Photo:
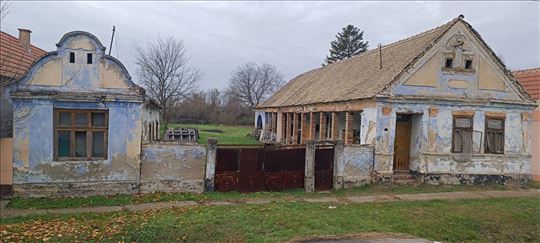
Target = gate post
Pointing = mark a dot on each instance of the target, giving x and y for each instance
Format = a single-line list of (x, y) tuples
[(338, 164), (309, 173), (210, 171)]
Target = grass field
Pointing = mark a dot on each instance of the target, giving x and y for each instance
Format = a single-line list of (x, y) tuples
[(48, 203), (224, 134), (489, 220)]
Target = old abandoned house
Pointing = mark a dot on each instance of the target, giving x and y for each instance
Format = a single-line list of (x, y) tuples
[(439, 104), (79, 122)]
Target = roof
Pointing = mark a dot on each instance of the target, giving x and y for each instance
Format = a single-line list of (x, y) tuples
[(530, 80), (14, 59), (360, 77)]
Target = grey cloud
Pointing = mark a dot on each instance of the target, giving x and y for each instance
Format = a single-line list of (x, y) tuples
[(294, 36)]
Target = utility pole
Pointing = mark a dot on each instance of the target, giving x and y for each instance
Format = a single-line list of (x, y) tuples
[(112, 38)]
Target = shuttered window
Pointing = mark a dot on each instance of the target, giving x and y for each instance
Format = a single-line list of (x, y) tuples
[(462, 135), (494, 135), (80, 134)]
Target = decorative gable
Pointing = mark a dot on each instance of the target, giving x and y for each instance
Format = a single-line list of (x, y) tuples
[(79, 64), (458, 66)]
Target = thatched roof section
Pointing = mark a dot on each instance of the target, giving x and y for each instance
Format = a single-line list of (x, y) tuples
[(359, 77)]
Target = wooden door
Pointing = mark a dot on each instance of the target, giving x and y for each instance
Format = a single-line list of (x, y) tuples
[(402, 144)]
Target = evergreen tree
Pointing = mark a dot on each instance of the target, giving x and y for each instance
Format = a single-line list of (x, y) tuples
[(349, 42)]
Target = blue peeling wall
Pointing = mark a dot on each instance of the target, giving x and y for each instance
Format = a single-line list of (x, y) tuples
[(33, 144), (431, 140)]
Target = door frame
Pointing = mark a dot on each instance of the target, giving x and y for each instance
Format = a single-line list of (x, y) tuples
[(408, 116)]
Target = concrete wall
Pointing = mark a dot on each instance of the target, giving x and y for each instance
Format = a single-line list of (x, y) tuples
[(169, 167), (357, 165)]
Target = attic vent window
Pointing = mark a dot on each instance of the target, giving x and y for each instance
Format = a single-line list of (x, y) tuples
[(89, 58), (72, 57), (448, 63), (468, 64)]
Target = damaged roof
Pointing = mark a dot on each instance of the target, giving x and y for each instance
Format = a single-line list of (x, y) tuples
[(361, 76), (530, 80)]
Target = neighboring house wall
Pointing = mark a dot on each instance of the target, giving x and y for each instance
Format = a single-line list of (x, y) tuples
[(535, 162), (55, 83)]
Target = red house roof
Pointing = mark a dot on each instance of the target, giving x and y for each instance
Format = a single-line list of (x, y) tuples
[(530, 80), (15, 60)]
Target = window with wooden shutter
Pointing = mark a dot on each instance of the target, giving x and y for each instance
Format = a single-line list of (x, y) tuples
[(80, 134), (462, 135), (494, 135)]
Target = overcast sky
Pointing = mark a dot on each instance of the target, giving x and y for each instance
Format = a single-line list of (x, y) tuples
[(294, 36)]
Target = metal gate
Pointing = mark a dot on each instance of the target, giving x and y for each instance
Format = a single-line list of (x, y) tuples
[(251, 168), (324, 163)]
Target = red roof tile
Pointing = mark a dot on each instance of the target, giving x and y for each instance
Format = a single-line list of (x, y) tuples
[(14, 59), (530, 80)]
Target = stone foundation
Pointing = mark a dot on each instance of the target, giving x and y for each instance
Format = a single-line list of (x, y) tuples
[(196, 186), (74, 189), (472, 179)]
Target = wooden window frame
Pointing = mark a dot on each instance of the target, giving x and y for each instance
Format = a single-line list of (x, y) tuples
[(488, 130), (454, 128), (88, 128)]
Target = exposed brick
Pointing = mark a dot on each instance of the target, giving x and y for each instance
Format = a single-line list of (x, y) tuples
[(348, 128)]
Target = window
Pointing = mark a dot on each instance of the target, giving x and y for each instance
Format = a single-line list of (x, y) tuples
[(89, 58), (72, 57), (468, 64), (449, 62), (80, 134), (462, 135), (494, 135)]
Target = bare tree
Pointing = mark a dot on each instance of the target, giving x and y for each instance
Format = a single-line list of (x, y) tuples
[(163, 70), (4, 9), (252, 83)]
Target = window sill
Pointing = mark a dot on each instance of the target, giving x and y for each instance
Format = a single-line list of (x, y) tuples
[(76, 160)]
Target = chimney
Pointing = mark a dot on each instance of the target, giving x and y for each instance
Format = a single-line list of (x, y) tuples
[(24, 39)]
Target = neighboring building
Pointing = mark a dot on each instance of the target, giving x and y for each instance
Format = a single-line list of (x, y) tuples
[(530, 80), (16, 56), (439, 104), (78, 122)]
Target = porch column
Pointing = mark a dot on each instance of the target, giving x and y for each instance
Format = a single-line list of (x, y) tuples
[(275, 120), (295, 128), (322, 126), (311, 125), (283, 127), (287, 128), (305, 128), (335, 126), (348, 128)]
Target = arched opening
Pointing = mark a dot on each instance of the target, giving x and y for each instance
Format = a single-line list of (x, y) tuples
[(259, 122)]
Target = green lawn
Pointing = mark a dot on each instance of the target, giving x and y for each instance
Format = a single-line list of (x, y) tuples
[(224, 134), (489, 220), (47, 203)]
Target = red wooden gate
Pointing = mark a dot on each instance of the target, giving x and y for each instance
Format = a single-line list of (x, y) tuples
[(259, 168), (324, 163)]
